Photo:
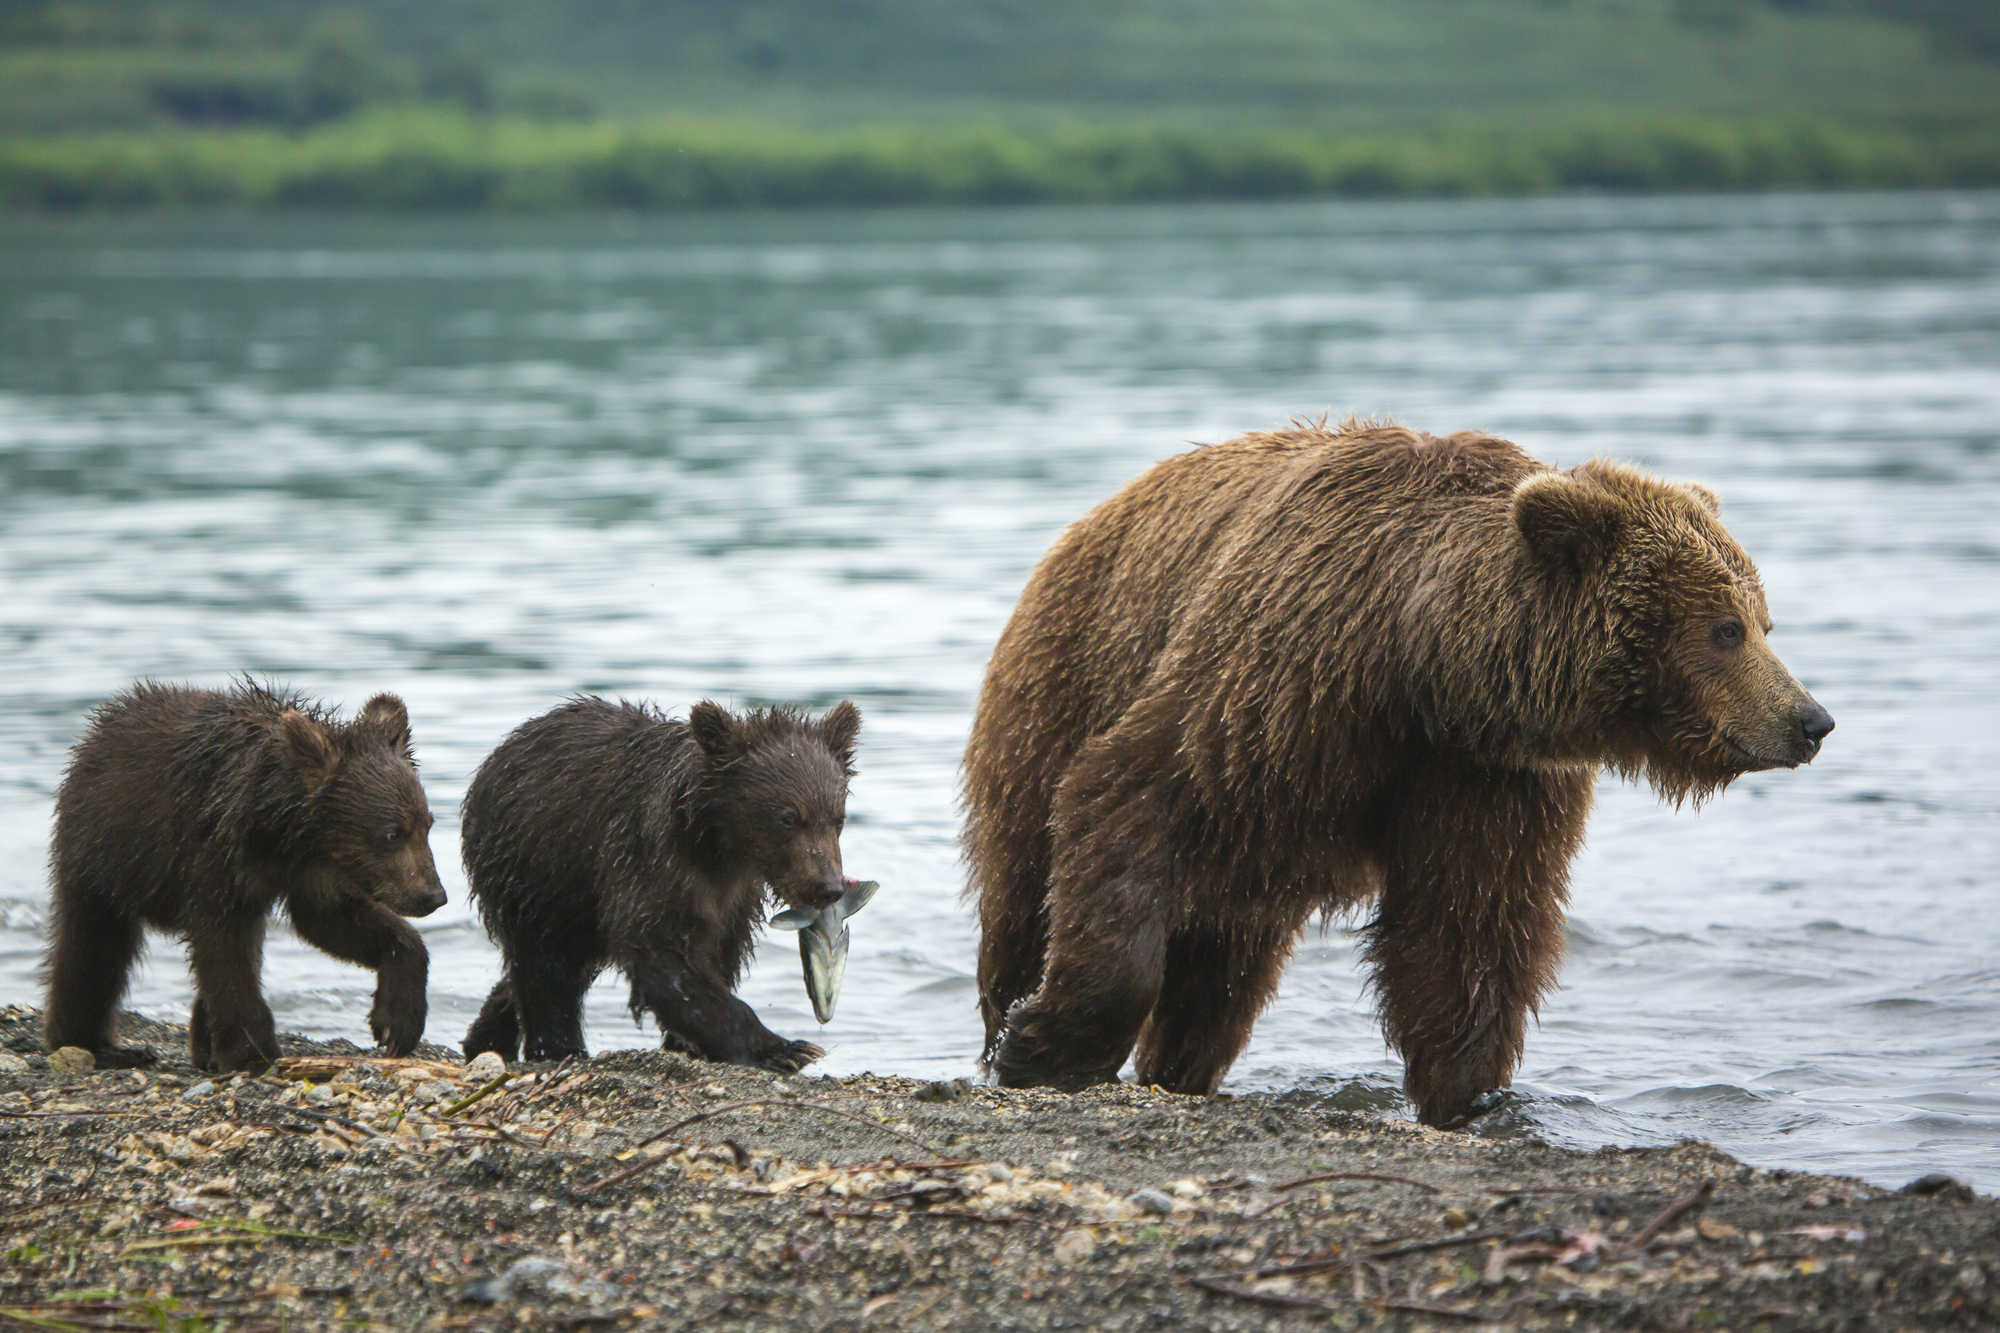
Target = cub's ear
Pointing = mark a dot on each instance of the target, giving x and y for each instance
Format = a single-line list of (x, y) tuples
[(386, 716), (838, 729), (1703, 496), (309, 748), (714, 730), (1569, 522)]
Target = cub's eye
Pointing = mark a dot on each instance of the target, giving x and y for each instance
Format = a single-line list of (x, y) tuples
[(790, 819), (1729, 634), (392, 835)]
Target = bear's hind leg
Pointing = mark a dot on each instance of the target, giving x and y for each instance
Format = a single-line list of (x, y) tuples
[(498, 1027), (1217, 979), (548, 994), (90, 959), (1469, 933), (226, 957)]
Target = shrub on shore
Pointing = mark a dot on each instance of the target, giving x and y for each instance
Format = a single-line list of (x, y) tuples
[(436, 160)]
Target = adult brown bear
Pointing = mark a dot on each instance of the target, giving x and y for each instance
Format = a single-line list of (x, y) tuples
[(1306, 669)]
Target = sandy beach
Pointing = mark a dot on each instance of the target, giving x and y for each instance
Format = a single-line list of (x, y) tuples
[(644, 1190)]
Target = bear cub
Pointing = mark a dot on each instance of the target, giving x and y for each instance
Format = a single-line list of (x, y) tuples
[(605, 834), (194, 812)]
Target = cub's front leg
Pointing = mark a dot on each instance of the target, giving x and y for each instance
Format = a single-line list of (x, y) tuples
[(359, 930)]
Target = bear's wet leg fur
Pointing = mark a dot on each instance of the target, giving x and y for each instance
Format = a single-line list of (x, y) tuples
[(361, 931), (1013, 935), (498, 1027), (548, 989), (1468, 936), (90, 961), (1218, 978), (226, 957), (700, 1011)]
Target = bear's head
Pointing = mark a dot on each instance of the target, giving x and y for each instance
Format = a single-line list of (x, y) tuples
[(775, 787), (369, 819), (1673, 667)]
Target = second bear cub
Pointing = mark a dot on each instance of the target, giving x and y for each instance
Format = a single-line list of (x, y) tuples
[(606, 834)]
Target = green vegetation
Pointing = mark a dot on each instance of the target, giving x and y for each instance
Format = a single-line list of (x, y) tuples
[(532, 104), (445, 161)]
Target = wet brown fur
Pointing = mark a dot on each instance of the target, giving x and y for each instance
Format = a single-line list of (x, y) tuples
[(193, 812), (1304, 670), (605, 834)]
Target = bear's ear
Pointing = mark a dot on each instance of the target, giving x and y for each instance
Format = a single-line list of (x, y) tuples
[(1568, 521), (386, 716), (308, 748), (838, 729), (1704, 497), (714, 730)]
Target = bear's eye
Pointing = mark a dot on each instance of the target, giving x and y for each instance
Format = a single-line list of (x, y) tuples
[(790, 819), (392, 835), (1729, 634)]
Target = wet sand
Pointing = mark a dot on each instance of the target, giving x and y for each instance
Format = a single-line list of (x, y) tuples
[(645, 1190)]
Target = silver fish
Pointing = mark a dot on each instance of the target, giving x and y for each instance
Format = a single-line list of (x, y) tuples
[(823, 942)]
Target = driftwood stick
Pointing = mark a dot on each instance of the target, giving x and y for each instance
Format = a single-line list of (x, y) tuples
[(480, 1095), (1661, 1221), (1261, 1297), (1378, 1176)]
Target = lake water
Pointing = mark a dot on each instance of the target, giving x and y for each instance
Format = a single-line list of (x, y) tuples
[(491, 463)]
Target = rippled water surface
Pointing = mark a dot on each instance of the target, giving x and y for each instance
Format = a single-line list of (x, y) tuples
[(489, 464)]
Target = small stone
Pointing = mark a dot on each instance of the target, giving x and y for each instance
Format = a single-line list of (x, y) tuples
[(1151, 1201), (1074, 1247), (1056, 1166), (72, 1060), (199, 1091), (11, 1063), (318, 1096), (1711, 1229), (999, 1172), (1457, 1217), (1189, 1188), (485, 1067)]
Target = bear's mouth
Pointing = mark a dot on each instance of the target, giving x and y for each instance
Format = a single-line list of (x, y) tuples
[(1758, 762)]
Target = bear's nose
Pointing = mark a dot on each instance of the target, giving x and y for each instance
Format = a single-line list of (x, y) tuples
[(1815, 723)]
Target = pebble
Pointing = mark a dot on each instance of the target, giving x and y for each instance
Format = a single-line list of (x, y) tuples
[(485, 1067), (1151, 1201), (199, 1091), (999, 1172), (72, 1060), (318, 1096), (1074, 1247), (11, 1063)]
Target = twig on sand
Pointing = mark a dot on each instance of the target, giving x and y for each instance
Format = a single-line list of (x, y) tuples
[(961, 1214), (480, 1095), (1436, 1311), (1445, 1243), (311, 1114), (1660, 1222), (1283, 1298), (1378, 1176), (713, 1111)]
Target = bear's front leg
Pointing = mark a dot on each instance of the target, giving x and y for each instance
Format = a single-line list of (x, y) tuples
[(1469, 934), (696, 1010), (360, 930), (231, 1029)]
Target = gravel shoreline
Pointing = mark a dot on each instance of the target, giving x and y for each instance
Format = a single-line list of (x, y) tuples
[(643, 1190)]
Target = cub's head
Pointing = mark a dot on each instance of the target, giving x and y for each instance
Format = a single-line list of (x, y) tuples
[(370, 818), (777, 787), (1676, 666)]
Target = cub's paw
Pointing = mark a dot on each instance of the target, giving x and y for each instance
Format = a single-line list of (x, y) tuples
[(241, 1054), (791, 1057), (397, 1031)]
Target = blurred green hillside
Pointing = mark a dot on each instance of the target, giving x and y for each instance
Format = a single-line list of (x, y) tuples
[(533, 103)]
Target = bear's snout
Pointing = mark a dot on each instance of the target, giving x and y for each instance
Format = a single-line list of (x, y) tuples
[(1814, 724)]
